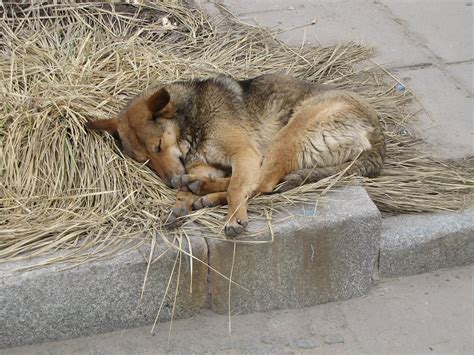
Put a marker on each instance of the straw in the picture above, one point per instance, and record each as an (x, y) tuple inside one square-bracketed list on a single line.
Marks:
[(66, 189)]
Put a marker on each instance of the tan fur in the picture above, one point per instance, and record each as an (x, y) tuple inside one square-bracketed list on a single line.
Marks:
[(228, 139), (327, 130)]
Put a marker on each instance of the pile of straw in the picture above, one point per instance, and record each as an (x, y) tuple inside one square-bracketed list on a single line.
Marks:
[(62, 65)]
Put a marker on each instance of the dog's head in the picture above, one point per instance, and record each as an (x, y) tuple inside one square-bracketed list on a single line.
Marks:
[(147, 133)]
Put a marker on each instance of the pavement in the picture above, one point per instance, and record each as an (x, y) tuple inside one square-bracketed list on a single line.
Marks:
[(426, 44), (431, 313)]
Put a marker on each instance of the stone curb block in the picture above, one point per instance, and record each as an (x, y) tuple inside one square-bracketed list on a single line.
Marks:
[(49, 304), (313, 259), (414, 244)]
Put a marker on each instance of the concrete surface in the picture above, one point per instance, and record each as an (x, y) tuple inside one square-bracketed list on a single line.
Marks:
[(97, 297), (335, 22), (442, 27), (419, 243), (448, 122), (462, 74), (433, 37), (313, 259), (425, 314)]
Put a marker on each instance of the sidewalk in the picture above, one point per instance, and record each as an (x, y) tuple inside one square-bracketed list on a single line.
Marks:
[(427, 44), (430, 313)]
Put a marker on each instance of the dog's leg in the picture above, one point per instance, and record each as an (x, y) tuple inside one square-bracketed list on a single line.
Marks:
[(199, 184), (211, 200), (182, 207), (279, 160), (201, 179), (243, 182), (287, 147)]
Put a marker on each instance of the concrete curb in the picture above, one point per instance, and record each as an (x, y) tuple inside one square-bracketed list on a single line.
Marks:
[(413, 244), (313, 259), (102, 296)]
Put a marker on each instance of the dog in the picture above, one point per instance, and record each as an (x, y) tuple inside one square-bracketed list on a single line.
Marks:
[(221, 141)]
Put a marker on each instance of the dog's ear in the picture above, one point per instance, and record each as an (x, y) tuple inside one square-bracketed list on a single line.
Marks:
[(158, 101), (104, 125)]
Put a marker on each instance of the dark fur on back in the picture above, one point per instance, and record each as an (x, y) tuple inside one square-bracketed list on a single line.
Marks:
[(260, 106)]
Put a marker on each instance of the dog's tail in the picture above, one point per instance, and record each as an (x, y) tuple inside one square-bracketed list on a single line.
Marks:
[(369, 163)]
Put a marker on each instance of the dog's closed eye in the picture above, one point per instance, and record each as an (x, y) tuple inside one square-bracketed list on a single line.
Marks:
[(158, 147)]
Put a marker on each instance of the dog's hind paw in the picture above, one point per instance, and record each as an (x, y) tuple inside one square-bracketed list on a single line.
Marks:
[(290, 182)]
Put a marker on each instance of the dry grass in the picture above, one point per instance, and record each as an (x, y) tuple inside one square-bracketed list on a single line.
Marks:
[(65, 189)]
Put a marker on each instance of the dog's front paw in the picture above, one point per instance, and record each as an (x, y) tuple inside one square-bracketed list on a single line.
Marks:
[(235, 227), (202, 202), (180, 182), (195, 186), (176, 217), (187, 183)]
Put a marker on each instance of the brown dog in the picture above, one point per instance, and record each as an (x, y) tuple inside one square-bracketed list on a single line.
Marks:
[(209, 138)]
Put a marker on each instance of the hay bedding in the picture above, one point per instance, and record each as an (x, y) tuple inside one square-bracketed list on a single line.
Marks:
[(61, 65)]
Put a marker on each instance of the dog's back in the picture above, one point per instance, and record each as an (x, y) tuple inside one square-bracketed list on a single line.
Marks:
[(270, 101)]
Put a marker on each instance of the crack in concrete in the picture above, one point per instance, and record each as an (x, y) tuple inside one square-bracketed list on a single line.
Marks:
[(265, 11), (413, 66), (460, 62), (424, 65)]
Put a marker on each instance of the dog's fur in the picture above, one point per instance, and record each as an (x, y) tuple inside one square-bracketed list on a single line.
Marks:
[(225, 139)]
